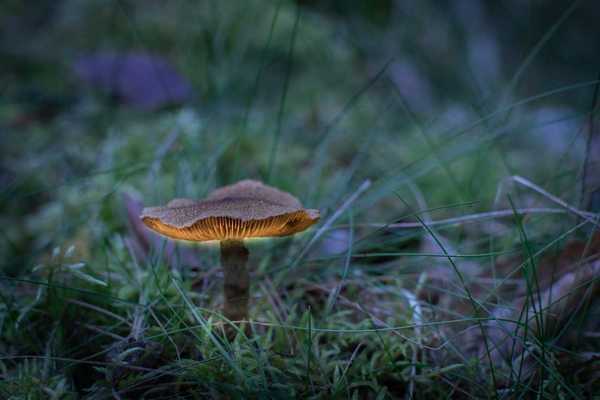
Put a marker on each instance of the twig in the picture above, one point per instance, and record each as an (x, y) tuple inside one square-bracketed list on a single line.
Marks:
[(100, 310), (466, 218), (101, 331), (554, 199)]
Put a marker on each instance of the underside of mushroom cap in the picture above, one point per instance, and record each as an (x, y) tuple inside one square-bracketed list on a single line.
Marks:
[(244, 210)]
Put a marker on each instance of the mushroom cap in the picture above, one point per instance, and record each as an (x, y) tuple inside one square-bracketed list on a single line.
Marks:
[(246, 209)]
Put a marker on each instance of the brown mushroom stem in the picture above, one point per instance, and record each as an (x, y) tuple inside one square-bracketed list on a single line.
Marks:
[(234, 257)]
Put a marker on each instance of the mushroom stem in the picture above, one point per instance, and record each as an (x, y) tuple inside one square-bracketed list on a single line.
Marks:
[(234, 257)]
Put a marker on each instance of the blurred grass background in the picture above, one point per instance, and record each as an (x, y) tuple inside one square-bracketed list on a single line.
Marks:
[(377, 113)]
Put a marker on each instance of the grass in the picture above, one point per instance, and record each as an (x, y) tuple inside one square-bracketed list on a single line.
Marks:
[(452, 260)]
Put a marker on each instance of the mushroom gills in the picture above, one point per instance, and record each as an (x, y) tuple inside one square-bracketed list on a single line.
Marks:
[(224, 228)]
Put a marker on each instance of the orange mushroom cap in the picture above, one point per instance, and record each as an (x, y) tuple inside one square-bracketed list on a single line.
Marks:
[(246, 209)]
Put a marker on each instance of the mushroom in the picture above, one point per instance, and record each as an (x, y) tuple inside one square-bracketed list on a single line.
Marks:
[(231, 214)]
